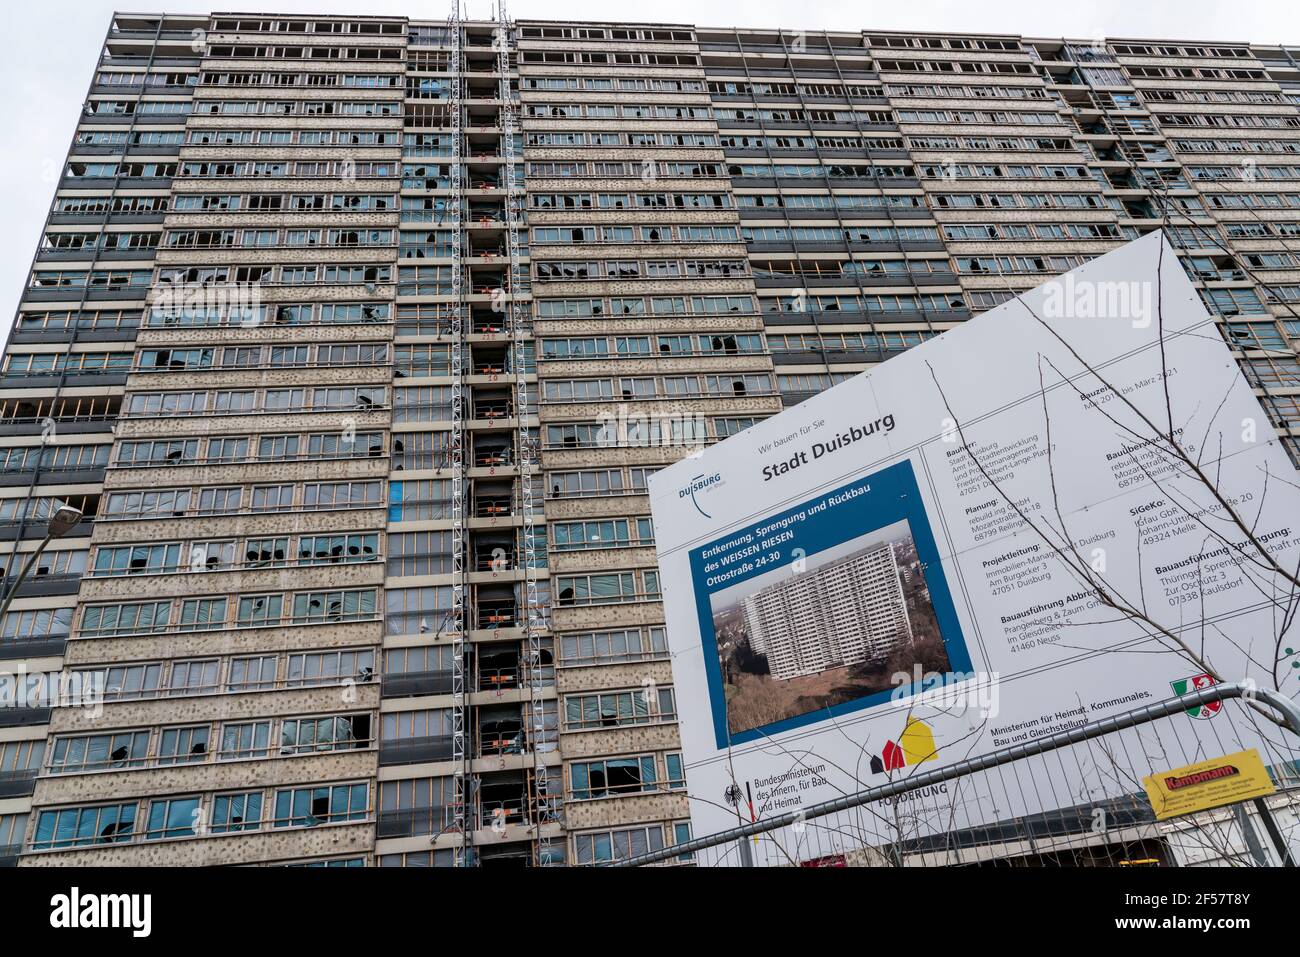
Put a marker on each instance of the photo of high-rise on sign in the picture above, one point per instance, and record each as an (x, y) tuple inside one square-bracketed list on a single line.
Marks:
[(842, 614), (830, 629)]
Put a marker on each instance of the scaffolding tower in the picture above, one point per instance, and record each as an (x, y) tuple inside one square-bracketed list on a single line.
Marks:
[(457, 624), (518, 327)]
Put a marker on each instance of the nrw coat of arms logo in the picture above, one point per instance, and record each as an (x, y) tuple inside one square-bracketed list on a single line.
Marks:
[(1195, 683)]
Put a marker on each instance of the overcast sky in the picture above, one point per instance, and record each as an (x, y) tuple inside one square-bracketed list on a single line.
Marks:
[(51, 48)]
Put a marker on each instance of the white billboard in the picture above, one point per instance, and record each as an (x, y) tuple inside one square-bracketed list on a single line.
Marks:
[(1058, 510)]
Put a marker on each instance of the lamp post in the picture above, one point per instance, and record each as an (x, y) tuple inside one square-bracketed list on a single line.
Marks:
[(63, 520)]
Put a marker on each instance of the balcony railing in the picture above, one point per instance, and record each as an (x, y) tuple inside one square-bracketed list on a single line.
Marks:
[(415, 750), (17, 784)]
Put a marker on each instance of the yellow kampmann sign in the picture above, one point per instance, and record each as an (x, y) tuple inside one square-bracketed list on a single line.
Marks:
[(1207, 784)]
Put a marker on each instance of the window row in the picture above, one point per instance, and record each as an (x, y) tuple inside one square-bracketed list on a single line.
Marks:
[(339, 137), (1013, 265), (1261, 230), (291, 78), (53, 458), (802, 201), (1180, 52), (145, 79), (981, 117), (868, 171), (622, 139), (966, 91), (1235, 146), (1017, 232), (161, 558), (851, 235), (647, 233), (254, 401), (36, 624), (236, 611), (623, 169), (633, 388), (822, 142), (229, 675), (866, 303), (613, 647), (810, 383), (1017, 144), (95, 279), (617, 777), (24, 507), (601, 848), (924, 42), (613, 111), (1252, 121), (1279, 259), (949, 171), (285, 202), (616, 709), (1253, 200), (300, 169), (1000, 67), (200, 815), (1213, 96), (586, 483), (114, 205), (198, 743), (796, 90), (609, 59), (177, 302), (871, 343), (655, 200), (18, 757), (602, 533), (607, 588), (137, 107), (223, 51), (103, 241), (1023, 200), (235, 500), (631, 430), (179, 310), (1245, 173), (370, 27), (608, 84), (850, 270), (571, 270), (71, 363), (606, 33), (145, 138), (221, 450), (639, 306), (855, 117), (262, 357), (631, 347), (273, 238), (298, 107)]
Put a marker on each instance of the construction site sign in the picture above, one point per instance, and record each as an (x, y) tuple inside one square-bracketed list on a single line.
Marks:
[(1065, 508), (1208, 784)]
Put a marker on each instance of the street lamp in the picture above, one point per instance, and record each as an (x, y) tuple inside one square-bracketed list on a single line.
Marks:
[(64, 519)]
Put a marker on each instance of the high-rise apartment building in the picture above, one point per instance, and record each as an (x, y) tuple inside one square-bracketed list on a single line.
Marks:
[(355, 338), (847, 612)]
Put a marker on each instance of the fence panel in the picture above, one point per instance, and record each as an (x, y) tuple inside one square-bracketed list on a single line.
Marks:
[(1092, 778)]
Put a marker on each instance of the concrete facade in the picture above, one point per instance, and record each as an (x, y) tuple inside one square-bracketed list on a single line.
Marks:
[(717, 224)]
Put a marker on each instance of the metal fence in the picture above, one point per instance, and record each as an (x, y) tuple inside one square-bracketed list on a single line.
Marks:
[(1090, 776)]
